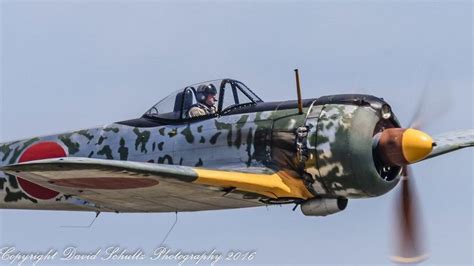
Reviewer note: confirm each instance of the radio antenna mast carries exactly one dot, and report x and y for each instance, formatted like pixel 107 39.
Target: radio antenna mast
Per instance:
pixel 298 91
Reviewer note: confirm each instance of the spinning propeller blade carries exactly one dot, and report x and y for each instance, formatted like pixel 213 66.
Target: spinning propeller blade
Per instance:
pixel 409 246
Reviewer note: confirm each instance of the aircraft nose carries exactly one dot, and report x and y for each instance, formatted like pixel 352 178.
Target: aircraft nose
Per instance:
pixel 416 145
pixel 399 146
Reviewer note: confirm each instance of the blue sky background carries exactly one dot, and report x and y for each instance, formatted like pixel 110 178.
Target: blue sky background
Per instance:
pixel 68 65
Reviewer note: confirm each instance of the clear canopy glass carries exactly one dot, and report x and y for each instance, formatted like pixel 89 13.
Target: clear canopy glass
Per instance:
pixel 230 94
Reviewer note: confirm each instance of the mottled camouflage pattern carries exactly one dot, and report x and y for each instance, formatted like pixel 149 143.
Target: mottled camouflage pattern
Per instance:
pixel 341 162
pixel 336 161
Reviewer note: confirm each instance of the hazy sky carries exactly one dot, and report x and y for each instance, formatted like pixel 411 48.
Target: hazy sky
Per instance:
pixel 68 65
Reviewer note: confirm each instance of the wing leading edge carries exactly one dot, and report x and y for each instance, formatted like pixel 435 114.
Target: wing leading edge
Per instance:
pixel 146 187
pixel 452 141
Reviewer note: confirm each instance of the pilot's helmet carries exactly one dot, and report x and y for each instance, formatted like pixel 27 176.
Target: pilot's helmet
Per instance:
pixel 204 90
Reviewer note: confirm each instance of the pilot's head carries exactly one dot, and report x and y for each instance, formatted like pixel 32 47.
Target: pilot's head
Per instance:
pixel 206 94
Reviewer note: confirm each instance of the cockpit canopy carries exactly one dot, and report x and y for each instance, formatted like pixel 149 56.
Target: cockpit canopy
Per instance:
pixel 231 94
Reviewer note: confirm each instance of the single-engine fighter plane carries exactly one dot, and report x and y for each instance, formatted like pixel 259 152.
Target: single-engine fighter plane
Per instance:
pixel 241 152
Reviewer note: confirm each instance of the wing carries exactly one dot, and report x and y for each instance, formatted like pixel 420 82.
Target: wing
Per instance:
pixel 126 186
pixel 452 141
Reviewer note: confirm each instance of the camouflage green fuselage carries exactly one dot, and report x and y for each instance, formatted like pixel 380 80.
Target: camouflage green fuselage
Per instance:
pixel 333 156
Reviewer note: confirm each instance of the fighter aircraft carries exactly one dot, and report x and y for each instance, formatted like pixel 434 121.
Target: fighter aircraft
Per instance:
pixel 316 153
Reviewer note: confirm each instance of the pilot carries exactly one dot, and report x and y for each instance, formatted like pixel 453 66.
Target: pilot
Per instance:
pixel 206 96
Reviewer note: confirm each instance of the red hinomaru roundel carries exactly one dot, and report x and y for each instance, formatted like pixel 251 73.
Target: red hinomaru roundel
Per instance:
pixel 38 151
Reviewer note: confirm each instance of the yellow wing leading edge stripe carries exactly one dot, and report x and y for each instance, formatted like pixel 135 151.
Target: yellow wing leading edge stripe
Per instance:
pixel 277 185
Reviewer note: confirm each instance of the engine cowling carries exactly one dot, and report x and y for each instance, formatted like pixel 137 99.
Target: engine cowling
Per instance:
pixel 323 206
pixel 340 147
